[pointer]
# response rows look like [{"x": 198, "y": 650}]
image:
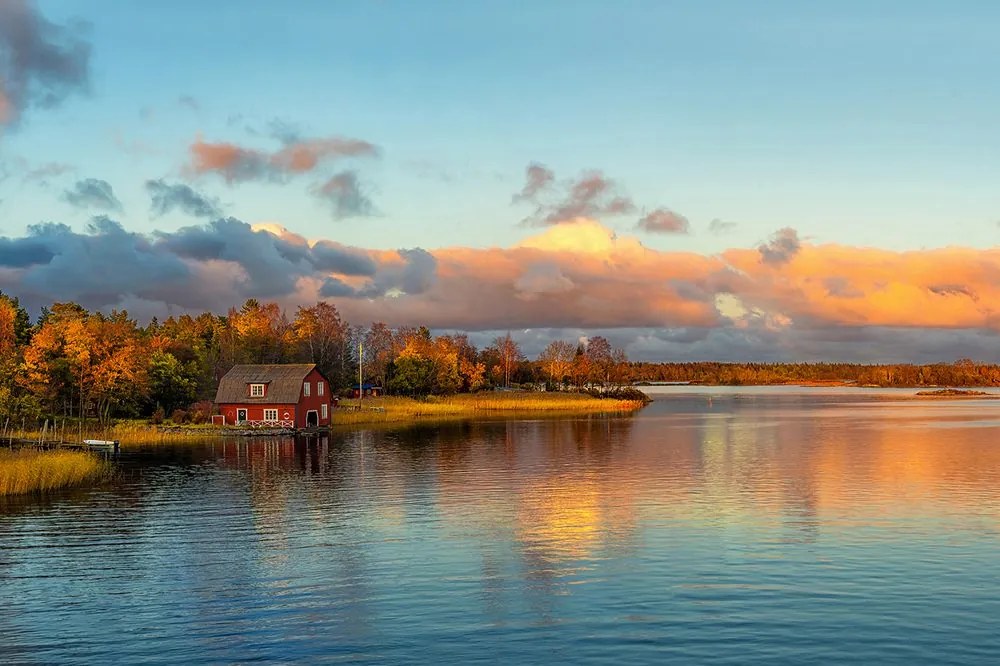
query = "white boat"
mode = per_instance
[{"x": 102, "y": 444}]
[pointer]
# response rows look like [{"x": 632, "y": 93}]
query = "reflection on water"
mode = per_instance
[{"x": 718, "y": 524}]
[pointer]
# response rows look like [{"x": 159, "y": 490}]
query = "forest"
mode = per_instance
[{"x": 72, "y": 362}]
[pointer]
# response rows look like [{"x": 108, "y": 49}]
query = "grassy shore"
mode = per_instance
[
  {"x": 31, "y": 471},
  {"x": 401, "y": 410}
]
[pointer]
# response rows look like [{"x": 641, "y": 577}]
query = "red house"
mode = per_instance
[{"x": 285, "y": 396}]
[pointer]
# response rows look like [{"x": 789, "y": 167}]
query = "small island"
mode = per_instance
[{"x": 956, "y": 393}]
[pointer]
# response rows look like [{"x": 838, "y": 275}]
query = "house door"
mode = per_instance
[
  {"x": 312, "y": 419},
  {"x": 241, "y": 416}
]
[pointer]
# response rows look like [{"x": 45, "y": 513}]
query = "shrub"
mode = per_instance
[
  {"x": 158, "y": 416},
  {"x": 179, "y": 416},
  {"x": 201, "y": 411}
]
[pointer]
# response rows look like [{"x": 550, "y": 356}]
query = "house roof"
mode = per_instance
[{"x": 284, "y": 383}]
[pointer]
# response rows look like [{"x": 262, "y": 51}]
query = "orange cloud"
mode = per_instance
[
  {"x": 846, "y": 286},
  {"x": 236, "y": 163}
]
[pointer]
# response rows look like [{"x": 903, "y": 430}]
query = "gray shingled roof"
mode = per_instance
[{"x": 284, "y": 383}]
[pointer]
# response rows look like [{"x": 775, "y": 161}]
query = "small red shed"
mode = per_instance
[{"x": 281, "y": 396}]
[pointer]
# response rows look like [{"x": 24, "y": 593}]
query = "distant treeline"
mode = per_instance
[
  {"x": 961, "y": 373},
  {"x": 73, "y": 362}
]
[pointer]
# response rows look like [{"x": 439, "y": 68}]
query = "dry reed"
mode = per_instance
[
  {"x": 33, "y": 471},
  {"x": 397, "y": 410}
]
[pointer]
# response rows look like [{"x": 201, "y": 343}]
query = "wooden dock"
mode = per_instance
[{"x": 97, "y": 446}]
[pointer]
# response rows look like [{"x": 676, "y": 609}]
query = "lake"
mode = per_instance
[{"x": 718, "y": 525}]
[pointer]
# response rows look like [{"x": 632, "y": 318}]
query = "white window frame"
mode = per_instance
[
  {"x": 306, "y": 389},
  {"x": 320, "y": 389},
  {"x": 257, "y": 390},
  {"x": 270, "y": 414},
  {"x": 324, "y": 413}
]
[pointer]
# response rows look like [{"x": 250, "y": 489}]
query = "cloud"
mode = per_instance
[
  {"x": 591, "y": 195},
  {"x": 93, "y": 193},
  {"x": 570, "y": 280},
  {"x": 537, "y": 178},
  {"x": 664, "y": 221},
  {"x": 41, "y": 63},
  {"x": 165, "y": 198},
  {"x": 782, "y": 246},
  {"x": 343, "y": 192},
  {"x": 330, "y": 256},
  {"x": 718, "y": 226},
  {"x": 541, "y": 279},
  {"x": 237, "y": 164},
  {"x": 23, "y": 252},
  {"x": 41, "y": 173},
  {"x": 190, "y": 102}
]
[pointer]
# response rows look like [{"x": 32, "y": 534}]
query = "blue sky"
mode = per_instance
[
  {"x": 864, "y": 123},
  {"x": 771, "y": 127}
]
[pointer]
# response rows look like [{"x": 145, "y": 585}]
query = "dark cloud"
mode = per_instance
[
  {"x": 99, "y": 267},
  {"x": 951, "y": 290},
  {"x": 166, "y": 198},
  {"x": 664, "y": 221},
  {"x": 93, "y": 193},
  {"x": 271, "y": 266},
  {"x": 842, "y": 288},
  {"x": 22, "y": 252},
  {"x": 336, "y": 288},
  {"x": 343, "y": 193},
  {"x": 537, "y": 178},
  {"x": 41, "y": 63},
  {"x": 413, "y": 276},
  {"x": 718, "y": 226},
  {"x": 336, "y": 258},
  {"x": 784, "y": 245},
  {"x": 592, "y": 195}
]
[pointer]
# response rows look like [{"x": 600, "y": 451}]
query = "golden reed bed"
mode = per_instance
[
  {"x": 397, "y": 410},
  {"x": 32, "y": 471}
]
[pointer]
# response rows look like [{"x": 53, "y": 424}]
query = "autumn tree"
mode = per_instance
[
  {"x": 318, "y": 336},
  {"x": 599, "y": 353},
  {"x": 509, "y": 354},
  {"x": 557, "y": 360},
  {"x": 86, "y": 360},
  {"x": 379, "y": 351},
  {"x": 260, "y": 332}
]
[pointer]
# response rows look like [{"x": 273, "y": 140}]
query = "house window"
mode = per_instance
[
  {"x": 270, "y": 414},
  {"x": 322, "y": 410},
  {"x": 305, "y": 389},
  {"x": 319, "y": 388},
  {"x": 256, "y": 390}
]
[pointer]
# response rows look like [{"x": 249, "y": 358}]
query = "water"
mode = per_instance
[{"x": 717, "y": 526}]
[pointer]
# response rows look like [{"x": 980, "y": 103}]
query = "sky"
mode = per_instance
[{"x": 695, "y": 181}]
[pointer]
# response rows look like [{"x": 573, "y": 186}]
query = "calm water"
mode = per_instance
[{"x": 717, "y": 526}]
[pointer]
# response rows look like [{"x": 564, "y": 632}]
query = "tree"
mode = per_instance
[
  {"x": 171, "y": 383},
  {"x": 600, "y": 357},
  {"x": 557, "y": 360},
  {"x": 510, "y": 354},
  {"x": 318, "y": 334},
  {"x": 379, "y": 351}
]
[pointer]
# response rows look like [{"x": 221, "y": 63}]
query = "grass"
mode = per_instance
[
  {"x": 398, "y": 410},
  {"x": 126, "y": 431},
  {"x": 387, "y": 410},
  {"x": 33, "y": 471}
]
